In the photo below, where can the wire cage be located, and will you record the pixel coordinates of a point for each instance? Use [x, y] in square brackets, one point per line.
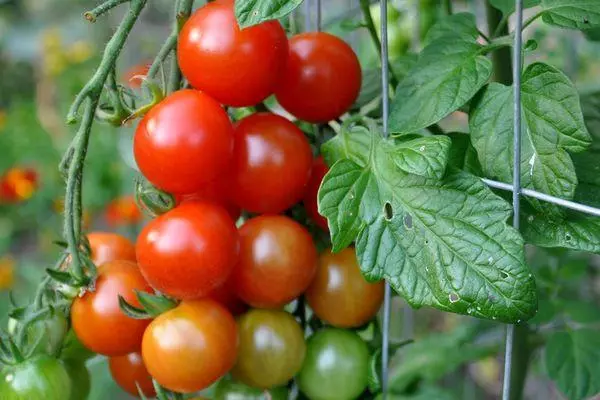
[314, 8]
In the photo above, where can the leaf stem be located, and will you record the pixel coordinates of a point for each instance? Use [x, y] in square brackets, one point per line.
[183, 9]
[532, 19]
[102, 9]
[501, 26]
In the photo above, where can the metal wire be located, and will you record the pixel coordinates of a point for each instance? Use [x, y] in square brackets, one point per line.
[307, 19]
[319, 16]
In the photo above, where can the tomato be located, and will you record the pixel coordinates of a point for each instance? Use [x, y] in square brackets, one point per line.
[278, 259]
[18, 184]
[322, 78]
[238, 67]
[188, 251]
[215, 191]
[319, 169]
[340, 295]
[226, 296]
[228, 389]
[47, 334]
[96, 317]
[271, 164]
[133, 77]
[183, 142]
[110, 247]
[73, 350]
[129, 370]
[81, 382]
[188, 348]
[123, 211]
[272, 348]
[41, 377]
[336, 366]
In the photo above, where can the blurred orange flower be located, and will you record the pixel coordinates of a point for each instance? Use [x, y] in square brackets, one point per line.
[7, 272]
[18, 184]
[123, 211]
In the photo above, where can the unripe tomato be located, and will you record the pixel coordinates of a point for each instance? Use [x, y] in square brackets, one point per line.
[271, 348]
[339, 294]
[48, 333]
[228, 389]
[188, 251]
[183, 142]
[319, 169]
[336, 366]
[271, 164]
[107, 247]
[188, 348]
[322, 77]
[238, 67]
[96, 317]
[41, 377]
[277, 261]
[129, 370]
[81, 381]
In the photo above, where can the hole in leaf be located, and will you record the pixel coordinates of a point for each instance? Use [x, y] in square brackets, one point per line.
[453, 297]
[585, 20]
[503, 274]
[388, 211]
[426, 241]
[408, 222]
[568, 237]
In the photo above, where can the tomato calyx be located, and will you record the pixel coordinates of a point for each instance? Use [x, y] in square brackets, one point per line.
[152, 305]
[151, 200]
[157, 94]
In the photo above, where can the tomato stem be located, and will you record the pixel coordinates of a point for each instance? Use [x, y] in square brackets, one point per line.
[102, 9]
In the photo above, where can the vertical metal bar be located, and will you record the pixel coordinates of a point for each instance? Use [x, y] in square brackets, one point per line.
[516, 70]
[319, 16]
[307, 16]
[385, 89]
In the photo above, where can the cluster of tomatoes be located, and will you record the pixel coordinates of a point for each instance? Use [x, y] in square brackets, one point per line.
[216, 270]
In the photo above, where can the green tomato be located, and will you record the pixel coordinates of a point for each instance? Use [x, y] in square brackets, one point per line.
[52, 331]
[228, 389]
[336, 366]
[74, 350]
[80, 379]
[39, 378]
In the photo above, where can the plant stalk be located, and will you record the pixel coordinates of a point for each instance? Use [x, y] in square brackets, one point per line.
[501, 58]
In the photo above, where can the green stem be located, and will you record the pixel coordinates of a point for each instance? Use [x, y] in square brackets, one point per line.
[102, 9]
[501, 26]
[448, 7]
[532, 19]
[183, 9]
[521, 356]
[500, 58]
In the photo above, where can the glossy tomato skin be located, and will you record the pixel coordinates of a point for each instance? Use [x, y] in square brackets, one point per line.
[339, 294]
[237, 67]
[41, 377]
[322, 78]
[129, 370]
[228, 389]
[48, 334]
[183, 142]
[215, 191]
[271, 164]
[96, 317]
[336, 366]
[271, 350]
[277, 261]
[188, 251]
[319, 169]
[107, 247]
[225, 295]
[188, 348]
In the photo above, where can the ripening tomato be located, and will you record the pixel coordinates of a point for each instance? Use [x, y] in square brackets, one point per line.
[336, 366]
[271, 348]
[238, 67]
[135, 75]
[339, 294]
[18, 184]
[277, 262]
[271, 164]
[228, 389]
[107, 247]
[188, 348]
[225, 295]
[319, 169]
[123, 211]
[183, 142]
[322, 78]
[41, 377]
[215, 191]
[96, 317]
[188, 251]
[129, 370]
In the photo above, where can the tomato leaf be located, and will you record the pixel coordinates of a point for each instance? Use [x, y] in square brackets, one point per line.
[154, 304]
[580, 311]
[552, 126]
[440, 243]
[508, 6]
[592, 34]
[587, 166]
[590, 106]
[571, 361]
[462, 155]
[460, 25]
[425, 156]
[448, 74]
[573, 14]
[252, 12]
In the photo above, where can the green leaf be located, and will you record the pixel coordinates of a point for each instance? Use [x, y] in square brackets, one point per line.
[463, 155]
[252, 12]
[587, 166]
[132, 311]
[425, 156]
[573, 14]
[576, 231]
[423, 393]
[460, 26]
[592, 34]
[590, 105]
[448, 74]
[508, 6]
[572, 362]
[154, 304]
[444, 244]
[580, 311]
[552, 126]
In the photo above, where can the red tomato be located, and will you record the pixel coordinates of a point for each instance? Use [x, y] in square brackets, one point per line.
[319, 169]
[96, 317]
[214, 191]
[133, 77]
[188, 251]
[322, 78]
[128, 370]
[183, 142]
[271, 164]
[340, 295]
[226, 296]
[237, 67]
[189, 347]
[18, 184]
[110, 247]
[123, 211]
[277, 261]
